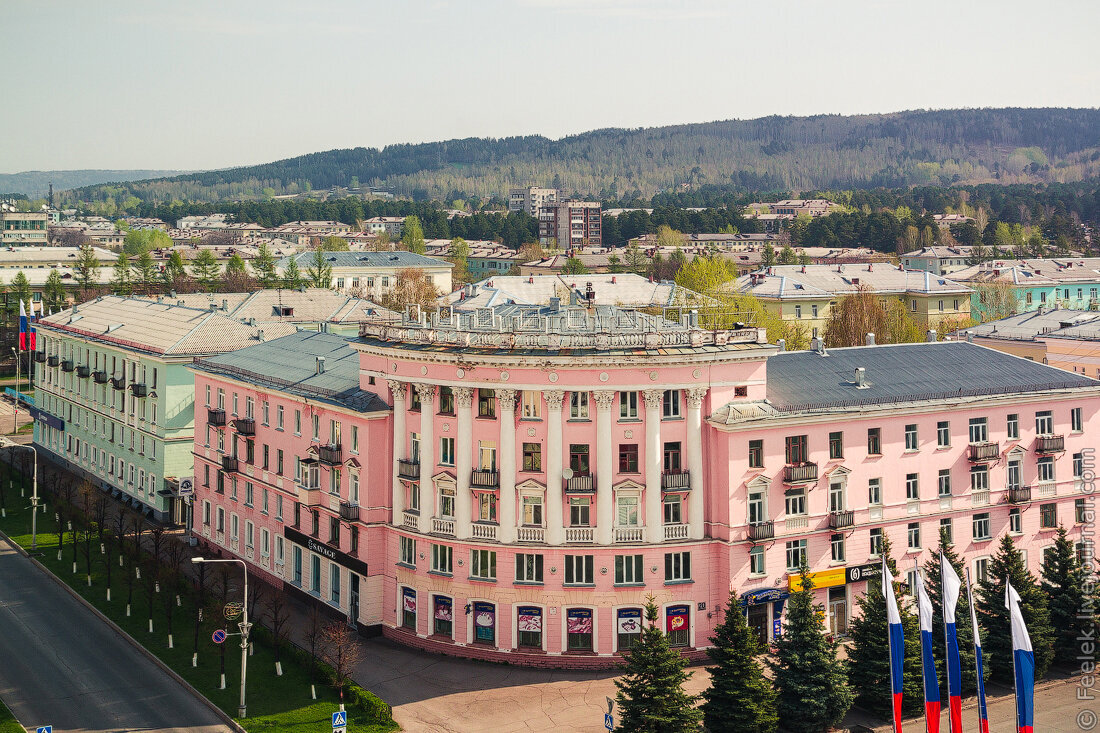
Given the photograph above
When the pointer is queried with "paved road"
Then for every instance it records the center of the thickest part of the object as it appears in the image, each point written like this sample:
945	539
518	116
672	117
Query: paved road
63	666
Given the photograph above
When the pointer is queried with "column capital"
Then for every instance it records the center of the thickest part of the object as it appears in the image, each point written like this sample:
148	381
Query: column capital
695	396
426	391
553	398
397	389
506	399
464	396
604	399
654	398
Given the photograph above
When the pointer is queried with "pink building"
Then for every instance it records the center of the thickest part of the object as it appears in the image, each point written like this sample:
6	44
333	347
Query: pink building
511	483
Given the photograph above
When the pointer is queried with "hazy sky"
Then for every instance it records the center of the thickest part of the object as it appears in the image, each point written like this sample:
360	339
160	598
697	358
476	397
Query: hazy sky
192	84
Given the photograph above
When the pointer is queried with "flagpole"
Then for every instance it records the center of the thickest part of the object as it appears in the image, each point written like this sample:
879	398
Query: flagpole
1015	679
946	645
979	667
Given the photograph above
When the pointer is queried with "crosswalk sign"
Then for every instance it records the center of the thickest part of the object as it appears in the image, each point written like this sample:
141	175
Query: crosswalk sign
339	719
44	729
608	721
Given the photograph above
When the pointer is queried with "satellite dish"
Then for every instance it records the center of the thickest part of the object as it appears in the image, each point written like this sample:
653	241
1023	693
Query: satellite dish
567	473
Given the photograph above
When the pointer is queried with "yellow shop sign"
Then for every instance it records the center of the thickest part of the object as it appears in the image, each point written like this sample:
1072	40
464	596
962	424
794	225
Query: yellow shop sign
824	579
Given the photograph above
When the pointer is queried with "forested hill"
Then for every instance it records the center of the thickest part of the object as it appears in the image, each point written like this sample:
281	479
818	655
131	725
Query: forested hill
771	153
35	184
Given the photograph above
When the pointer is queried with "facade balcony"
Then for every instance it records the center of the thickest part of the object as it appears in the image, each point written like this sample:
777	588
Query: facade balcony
1050	444
443	526
530	534
100	377
330	455
485	478
245	426
311	495
215	417
53	360
230	464
118	383
1019	495
800	473
983	452
140	389
628	534
580	535
410	519
675	532
675	480
758	531
484	531
83	371
408	469
349	511
580	485
40	356
840	520
68	365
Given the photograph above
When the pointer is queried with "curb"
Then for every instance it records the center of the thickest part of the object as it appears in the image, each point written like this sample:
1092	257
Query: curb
233	725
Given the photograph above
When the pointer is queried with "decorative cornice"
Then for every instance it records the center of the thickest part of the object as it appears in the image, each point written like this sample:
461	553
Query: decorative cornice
553	398
506	400
695	396
464	397
604	399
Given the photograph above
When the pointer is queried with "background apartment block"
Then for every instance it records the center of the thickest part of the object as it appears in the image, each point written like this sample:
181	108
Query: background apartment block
531	199
570	224
22	228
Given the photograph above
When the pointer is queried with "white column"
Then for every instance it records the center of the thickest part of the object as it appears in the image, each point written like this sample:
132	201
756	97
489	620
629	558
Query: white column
400	440
506	463
427	455
555	527
605	504
653	455
464	400
697	498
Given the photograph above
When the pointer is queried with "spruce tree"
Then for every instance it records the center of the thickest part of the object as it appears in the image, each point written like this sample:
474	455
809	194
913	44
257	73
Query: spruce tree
651	693
264	266
869	653
812	687
122	283
292	275
206	270
145	272
1072	610
993	616
740	699
964	632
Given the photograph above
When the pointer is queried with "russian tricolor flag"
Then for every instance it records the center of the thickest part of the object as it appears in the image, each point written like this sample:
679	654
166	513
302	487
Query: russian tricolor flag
952	586
896	640
1023	663
983	715
26	331
928	664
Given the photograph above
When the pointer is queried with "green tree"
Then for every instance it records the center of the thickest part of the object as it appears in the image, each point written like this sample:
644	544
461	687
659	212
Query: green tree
812	687
768	257
86	268
412	235
145	272
20	291
237	279
669	238
1072	594
144	240
264	266
460	258
53	292
787	255
869	654
206	270
963	630
1008	563
335	244
636	260
292	275
651	693
573	266
319	272
175	273
740	699
122	283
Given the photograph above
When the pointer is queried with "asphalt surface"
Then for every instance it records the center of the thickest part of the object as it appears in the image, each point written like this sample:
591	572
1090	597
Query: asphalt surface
61	665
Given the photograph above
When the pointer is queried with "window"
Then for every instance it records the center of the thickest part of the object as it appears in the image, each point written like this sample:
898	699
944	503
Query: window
1013	426
911	437
441	559
1078	465
1044	422
874	492
796	449
532	510
279	411
757	511
266	412
578	459
628	458
673	509
756	561
670	403
446	451
836	496
334	531
297	422
531	405
483	564
334	583
677	625
947	530
876	542
486	507
442	616
912	487
578	623
1046	469
578	405
756	454
979	478
874	441
796	555
677	566
1048	516
446	401
486	403
408	551
529	627
579	570
579	511
981	526
279	461
981	569
979	430
1014	474
836	445
837	548
798	311
1081	513
628	570
626	514
628	405
408	608
795	502
944	482
913	535
315	423
315	574
528	568
628	628
1015	521
1075	423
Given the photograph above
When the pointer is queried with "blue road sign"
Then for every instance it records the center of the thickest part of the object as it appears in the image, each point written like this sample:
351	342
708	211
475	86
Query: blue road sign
339	719
218	636
608	721
44	729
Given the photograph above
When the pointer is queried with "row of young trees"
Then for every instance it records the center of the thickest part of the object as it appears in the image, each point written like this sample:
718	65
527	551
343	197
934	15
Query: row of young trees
810	689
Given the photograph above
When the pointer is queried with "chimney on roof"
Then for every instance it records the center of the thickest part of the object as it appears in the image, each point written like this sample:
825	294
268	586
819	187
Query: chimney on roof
530	279
818	346
555	304
782	344
320	365
871	267
930	337
869	339
590	293
225	304
260	335
861	378
803	268
614	280
969	337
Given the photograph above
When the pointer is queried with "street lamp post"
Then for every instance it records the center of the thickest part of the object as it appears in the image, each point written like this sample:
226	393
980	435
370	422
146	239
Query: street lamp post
15	402
245	627
9	443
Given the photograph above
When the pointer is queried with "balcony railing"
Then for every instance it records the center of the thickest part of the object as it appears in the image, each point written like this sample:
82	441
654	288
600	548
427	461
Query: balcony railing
484	477
580	534
68	365
140	389
483	531
800	473
675	480
409	519
629	534
118	383
349	511
311	495
982	452
842	519
1050	444
100	377
330	455
230	464
245	425
53	360
215	417
1019	494
408	469
676	532
443	526
83	371
530	534
761	531
40	356
580	485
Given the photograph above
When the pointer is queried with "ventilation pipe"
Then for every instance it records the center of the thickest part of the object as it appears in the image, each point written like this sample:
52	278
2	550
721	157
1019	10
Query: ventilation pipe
930	337
869	339
861	378
782	344
320	365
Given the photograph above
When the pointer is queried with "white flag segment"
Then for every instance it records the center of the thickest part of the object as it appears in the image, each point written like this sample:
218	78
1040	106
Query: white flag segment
1021	642
924	604
893	616
952	587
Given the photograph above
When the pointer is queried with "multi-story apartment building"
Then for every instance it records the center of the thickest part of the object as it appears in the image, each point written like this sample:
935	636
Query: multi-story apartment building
938	260
113	396
374	274
1067	339
22	228
394	226
1072	282
531	199
534	472
571	224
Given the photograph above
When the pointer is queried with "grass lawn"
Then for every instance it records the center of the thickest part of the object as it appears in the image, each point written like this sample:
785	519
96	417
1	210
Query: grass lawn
274	703
7	721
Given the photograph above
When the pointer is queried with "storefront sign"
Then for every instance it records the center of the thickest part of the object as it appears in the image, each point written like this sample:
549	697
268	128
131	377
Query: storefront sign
44	417
870	571
443	608
764	595
579	621
408	600
823	579
530	618
677	618
485	616
630	621
337	556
